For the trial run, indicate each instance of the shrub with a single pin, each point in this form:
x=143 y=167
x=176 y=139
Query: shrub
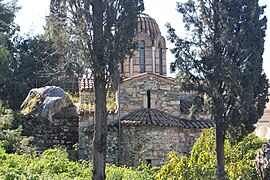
x=10 y=130
x=54 y=164
x=239 y=160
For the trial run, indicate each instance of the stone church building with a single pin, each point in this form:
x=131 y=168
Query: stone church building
x=148 y=120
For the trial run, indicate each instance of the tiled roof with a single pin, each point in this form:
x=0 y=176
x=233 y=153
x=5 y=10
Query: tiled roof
x=159 y=118
x=147 y=25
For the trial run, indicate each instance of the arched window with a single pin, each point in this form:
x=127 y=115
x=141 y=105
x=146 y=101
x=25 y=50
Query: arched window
x=160 y=60
x=142 y=56
x=122 y=67
x=148 y=99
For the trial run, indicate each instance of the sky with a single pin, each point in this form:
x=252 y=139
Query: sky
x=31 y=19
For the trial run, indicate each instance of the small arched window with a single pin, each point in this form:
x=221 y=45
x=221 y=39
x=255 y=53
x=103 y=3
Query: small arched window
x=142 y=56
x=122 y=67
x=148 y=99
x=160 y=60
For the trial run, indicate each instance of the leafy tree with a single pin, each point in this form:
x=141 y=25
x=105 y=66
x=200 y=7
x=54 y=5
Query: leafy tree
x=38 y=64
x=100 y=33
x=221 y=59
x=7 y=30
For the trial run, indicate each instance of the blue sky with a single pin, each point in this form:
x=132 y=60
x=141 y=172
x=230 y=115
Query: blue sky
x=31 y=19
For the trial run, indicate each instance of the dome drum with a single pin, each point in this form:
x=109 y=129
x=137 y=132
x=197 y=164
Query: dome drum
x=150 y=56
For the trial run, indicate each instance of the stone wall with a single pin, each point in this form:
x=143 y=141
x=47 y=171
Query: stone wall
x=86 y=129
x=148 y=143
x=164 y=94
x=61 y=131
x=152 y=143
x=50 y=118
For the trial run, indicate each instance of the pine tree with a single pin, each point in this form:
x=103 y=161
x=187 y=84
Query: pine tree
x=221 y=59
x=101 y=34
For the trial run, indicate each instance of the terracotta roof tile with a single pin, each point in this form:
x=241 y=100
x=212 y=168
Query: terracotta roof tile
x=160 y=118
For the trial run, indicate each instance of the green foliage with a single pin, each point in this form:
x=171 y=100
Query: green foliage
x=111 y=101
x=100 y=33
x=55 y=164
x=37 y=64
x=220 y=58
x=209 y=61
x=239 y=160
x=126 y=173
x=75 y=98
x=176 y=168
x=7 y=30
x=10 y=129
x=51 y=164
x=29 y=105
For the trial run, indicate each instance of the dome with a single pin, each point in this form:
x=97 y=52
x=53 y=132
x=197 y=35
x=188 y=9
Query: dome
x=147 y=25
x=150 y=54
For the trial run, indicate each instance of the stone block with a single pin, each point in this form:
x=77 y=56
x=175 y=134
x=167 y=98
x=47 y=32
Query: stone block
x=165 y=87
x=175 y=102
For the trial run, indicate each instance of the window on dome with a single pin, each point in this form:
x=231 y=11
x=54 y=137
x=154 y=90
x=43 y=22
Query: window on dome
x=142 y=56
x=160 y=60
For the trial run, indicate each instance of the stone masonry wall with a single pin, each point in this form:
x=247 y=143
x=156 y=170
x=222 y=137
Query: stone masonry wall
x=86 y=145
x=51 y=119
x=47 y=134
x=164 y=95
x=148 y=143
x=152 y=143
x=86 y=129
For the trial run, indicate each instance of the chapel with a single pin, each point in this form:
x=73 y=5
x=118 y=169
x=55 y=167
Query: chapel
x=148 y=119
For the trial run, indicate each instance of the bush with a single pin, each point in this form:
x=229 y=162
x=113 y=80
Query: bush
x=239 y=160
x=51 y=164
x=126 y=173
x=55 y=164
x=11 y=130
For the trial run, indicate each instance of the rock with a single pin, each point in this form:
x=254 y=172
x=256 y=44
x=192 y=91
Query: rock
x=47 y=102
x=262 y=161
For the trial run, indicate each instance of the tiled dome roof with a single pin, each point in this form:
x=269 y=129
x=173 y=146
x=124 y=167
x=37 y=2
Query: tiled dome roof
x=147 y=25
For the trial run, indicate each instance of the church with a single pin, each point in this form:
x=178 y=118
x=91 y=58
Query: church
x=147 y=116
x=148 y=119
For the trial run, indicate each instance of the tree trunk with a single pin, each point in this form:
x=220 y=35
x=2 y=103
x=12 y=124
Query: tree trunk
x=100 y=135
x=220 y=150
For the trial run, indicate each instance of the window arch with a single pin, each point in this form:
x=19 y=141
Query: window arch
x=160 y=60
x=142 y=56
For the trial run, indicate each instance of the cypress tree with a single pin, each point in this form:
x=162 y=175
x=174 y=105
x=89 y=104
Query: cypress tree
x=101 y=34
x=221 y=59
